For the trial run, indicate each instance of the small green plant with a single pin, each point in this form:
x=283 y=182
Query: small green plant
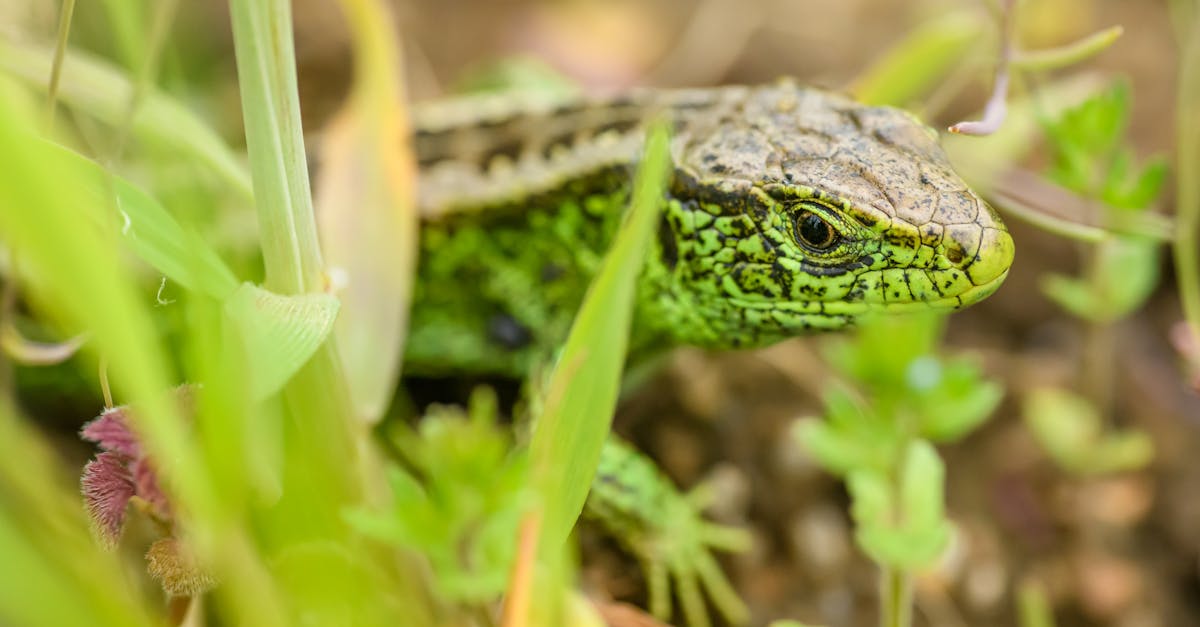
x=895 y=399
x=1092 y=158
x=460 y=502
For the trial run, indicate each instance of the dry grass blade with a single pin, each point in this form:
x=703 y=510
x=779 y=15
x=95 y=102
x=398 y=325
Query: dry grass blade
x=366 y=212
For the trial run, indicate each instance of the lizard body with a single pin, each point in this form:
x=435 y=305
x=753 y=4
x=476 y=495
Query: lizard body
x=790 y=210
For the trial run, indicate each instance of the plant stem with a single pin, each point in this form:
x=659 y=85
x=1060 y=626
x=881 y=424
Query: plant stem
x=1048 y=223
x=262 y=34
x=1097 y=367
x=324 y=446
x=1187 y=248
x=895 y=589
x=1070 y=54
x=895 y=593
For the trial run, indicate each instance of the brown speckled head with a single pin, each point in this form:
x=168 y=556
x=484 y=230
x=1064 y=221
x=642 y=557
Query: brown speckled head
x=799 y=209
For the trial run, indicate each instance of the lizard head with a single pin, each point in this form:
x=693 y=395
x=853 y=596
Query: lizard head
x=794 y=210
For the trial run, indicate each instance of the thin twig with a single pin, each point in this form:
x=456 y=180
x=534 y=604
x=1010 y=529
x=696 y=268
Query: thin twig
x=997 y=106
x=1062 y=212
x=1070 y=54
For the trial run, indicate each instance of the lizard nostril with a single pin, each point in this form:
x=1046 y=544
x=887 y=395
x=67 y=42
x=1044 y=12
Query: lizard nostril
x=954 y=254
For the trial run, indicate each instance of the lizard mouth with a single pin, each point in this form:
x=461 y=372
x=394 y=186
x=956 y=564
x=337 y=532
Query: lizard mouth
x=965 y=298
x=850 y=309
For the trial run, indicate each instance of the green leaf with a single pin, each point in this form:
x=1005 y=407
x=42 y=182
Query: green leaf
x=1129 y=191
x=366 y=206
x=835 y=453
x=1069 y=54
x=150 y=231
x=1121 y=451
x=1063 y=423
x=82 y=282
x=921 y=489
x=904 y=529
x=1096 y=125
x=960 y=403
x=1127 y=272
x=278 y=333
x=330 y=444
x=1069 y=429
x=1033 y=607
x=1071 y=294
x=1092 y=158
x=1086 y=141
x=871 y=498
x=1130 y=270
x=852 y=435
x=901 y=549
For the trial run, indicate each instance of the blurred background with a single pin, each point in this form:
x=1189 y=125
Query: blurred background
x=1115 y=547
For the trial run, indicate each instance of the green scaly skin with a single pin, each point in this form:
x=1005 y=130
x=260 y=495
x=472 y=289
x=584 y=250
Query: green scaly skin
x=520 y=203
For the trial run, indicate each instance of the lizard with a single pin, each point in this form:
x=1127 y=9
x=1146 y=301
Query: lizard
x=789 y=210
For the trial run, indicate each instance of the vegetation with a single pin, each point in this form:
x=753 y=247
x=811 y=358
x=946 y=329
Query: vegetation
x=251 y=465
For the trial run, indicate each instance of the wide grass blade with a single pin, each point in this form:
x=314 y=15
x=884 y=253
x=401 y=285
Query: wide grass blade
x=582 y=392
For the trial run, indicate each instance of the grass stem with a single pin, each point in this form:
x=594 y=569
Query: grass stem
x=896 y=595
x=60 y=52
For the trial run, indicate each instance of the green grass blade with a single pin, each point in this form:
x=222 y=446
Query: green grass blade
x=920 y=60
x=98 y=89
x=583 y=388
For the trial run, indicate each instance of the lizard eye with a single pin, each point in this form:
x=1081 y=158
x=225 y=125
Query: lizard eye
x=814 y=232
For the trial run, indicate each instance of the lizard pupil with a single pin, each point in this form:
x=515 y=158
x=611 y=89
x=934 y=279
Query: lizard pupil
x=814 y=232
